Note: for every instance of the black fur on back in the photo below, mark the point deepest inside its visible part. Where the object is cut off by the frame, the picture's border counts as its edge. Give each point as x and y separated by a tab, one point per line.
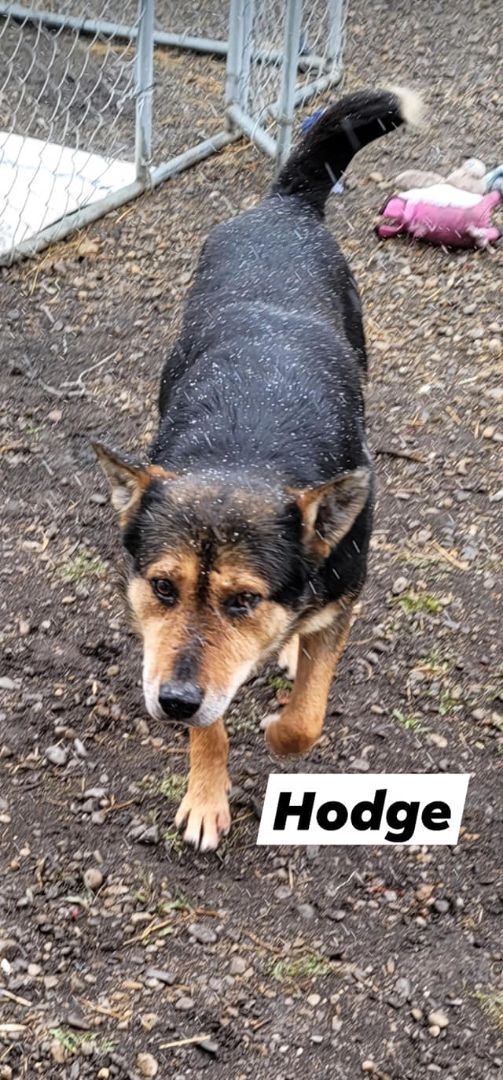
266	378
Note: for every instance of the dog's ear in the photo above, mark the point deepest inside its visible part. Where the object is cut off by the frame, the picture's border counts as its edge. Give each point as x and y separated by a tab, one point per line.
128	481
329	510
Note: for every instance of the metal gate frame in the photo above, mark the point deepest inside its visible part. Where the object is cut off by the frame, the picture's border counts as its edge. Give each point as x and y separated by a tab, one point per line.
238	120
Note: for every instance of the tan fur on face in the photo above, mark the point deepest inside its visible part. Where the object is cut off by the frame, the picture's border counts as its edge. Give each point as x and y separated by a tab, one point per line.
228	648
164	630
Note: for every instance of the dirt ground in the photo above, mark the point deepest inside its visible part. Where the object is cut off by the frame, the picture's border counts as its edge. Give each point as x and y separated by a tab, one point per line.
116	941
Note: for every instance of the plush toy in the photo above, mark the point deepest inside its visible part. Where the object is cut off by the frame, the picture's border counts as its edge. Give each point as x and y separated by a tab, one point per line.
469	177
451	224
494	180
455	211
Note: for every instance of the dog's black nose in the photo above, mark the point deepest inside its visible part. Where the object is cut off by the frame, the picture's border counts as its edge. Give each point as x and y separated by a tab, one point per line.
180	700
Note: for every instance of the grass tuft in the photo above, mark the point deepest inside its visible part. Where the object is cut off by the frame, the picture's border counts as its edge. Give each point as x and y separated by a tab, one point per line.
83	566
171	786
174	842
73	1041
492	1004
408	722
413	604
306	966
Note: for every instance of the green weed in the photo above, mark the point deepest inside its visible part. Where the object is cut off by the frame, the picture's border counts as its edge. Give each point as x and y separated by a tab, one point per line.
433	664
173	840
171	786
492	1004
82	566
279	682
447	703
305	966
414	604
408	722
72	1041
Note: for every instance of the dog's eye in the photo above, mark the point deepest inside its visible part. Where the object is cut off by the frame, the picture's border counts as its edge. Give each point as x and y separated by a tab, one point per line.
164	590
242	603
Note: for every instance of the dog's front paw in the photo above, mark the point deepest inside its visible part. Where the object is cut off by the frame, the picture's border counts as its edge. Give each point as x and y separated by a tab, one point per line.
289	657
206	819
285	736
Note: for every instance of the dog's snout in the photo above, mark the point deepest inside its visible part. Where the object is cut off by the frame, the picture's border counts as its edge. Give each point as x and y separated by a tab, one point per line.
180	700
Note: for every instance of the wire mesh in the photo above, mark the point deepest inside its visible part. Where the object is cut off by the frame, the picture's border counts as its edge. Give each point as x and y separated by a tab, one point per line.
70	83
320	45
67	107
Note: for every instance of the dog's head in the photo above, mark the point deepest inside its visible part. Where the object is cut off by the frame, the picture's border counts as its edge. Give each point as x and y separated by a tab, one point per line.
220	573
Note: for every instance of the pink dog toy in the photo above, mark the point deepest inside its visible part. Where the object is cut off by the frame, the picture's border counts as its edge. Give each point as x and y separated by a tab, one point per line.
454	226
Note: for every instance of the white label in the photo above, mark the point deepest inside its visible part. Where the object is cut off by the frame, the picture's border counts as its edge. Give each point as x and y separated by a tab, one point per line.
355	808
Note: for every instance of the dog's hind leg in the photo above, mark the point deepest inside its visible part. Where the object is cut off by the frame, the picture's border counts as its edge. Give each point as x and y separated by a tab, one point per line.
299	725
204	810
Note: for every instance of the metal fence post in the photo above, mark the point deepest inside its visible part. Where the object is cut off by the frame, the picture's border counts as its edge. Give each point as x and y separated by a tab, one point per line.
286	102
144	89
246	52
335	32
234	53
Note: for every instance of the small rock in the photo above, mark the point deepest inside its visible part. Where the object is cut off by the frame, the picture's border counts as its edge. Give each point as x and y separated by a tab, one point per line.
434	1031
57	755
401	994
438	740
148	1021
313	1000
368	1066
184	1004
166	977
399	586
282	892
423	892
94	793
306	911
79	748
93	878
150	835
359	765
210	1046
202	933
238	965
147	1065
8	684
417	1014
77	1020
58	1052
437	1018
442	906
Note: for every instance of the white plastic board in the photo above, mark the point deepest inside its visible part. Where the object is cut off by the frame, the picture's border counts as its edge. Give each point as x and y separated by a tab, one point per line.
40	182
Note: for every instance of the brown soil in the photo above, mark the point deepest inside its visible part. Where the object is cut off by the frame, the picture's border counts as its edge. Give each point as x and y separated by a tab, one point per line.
271	961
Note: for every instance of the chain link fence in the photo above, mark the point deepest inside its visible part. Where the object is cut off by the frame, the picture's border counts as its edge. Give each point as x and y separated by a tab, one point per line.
102	99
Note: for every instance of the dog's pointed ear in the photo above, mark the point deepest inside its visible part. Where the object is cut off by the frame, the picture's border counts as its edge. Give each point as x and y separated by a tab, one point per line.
127	480
329	510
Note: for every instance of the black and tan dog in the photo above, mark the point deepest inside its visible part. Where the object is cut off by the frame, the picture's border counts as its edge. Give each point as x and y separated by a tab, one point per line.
248	529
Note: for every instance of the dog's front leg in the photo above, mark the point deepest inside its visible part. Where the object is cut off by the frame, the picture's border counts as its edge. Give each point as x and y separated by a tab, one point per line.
299	725
204	810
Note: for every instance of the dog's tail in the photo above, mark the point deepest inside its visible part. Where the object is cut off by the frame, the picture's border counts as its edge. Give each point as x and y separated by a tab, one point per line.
328	146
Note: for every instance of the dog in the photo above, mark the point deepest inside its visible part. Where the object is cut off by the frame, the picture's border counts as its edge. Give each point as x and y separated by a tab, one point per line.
248	528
